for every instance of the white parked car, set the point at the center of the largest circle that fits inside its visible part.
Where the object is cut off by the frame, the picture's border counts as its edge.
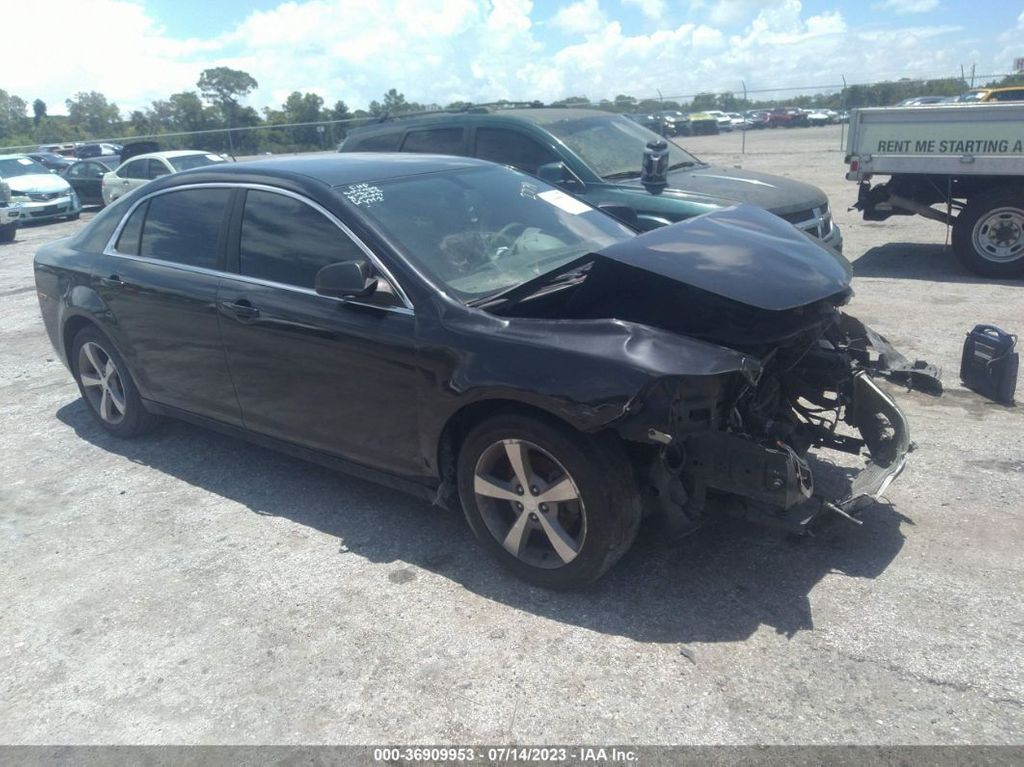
(39, 194)
(818, 117)
(143, 168)
(738, 121)
(723, 120)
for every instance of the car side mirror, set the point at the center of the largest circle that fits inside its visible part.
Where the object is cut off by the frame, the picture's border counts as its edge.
(554, 173)
(625, 214)
(346, 279)
(558, 174)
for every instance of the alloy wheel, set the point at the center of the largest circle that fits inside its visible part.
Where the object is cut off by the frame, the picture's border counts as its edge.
(102, 383)
(530, 503)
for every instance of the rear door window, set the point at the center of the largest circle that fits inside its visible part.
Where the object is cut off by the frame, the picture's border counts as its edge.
(435, 141)
(156, 168)
(509, 147)
(134, 169)
(184, 227)
(384, 142)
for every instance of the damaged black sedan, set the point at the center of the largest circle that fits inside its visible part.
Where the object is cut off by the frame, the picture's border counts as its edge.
(470, 334)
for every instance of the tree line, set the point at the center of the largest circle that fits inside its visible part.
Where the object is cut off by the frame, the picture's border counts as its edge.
(215, 106)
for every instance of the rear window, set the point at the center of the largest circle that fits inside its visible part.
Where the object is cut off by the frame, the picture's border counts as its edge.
(95, 236)
(194, 161)
(435, 141)
(382, 142)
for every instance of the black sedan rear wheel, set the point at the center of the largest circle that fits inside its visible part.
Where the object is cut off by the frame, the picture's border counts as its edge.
(106, 385)
(555, 507)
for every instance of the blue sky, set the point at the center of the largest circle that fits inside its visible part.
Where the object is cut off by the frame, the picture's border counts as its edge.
(481, 50)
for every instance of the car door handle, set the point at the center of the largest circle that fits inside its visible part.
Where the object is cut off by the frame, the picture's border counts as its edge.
(113, 281)
(242, 309)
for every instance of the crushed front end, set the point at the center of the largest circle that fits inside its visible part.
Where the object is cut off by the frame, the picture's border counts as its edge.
(752, 443)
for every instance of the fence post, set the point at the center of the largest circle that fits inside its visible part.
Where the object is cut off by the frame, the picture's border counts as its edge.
(742, 129)
(842, 125)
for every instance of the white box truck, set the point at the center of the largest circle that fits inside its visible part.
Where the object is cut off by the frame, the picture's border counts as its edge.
(967, 159)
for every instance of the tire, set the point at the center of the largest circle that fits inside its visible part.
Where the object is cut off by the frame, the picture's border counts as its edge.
(111, 396)
(988, 235)
(74, 216)
(570, 541)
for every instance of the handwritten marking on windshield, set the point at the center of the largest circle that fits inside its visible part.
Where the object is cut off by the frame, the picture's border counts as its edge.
(364, 194)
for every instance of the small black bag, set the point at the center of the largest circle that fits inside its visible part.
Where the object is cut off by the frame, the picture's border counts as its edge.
(989, 363)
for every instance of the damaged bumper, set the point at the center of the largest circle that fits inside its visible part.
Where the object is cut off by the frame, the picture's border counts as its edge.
(777, 485)
(761, 462)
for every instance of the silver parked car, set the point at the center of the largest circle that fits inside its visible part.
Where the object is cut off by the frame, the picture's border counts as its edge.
(40, 194)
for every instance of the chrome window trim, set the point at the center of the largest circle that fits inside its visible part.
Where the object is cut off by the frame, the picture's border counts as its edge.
(111, 250)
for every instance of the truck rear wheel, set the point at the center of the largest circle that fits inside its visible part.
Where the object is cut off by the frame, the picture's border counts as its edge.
(988, 235)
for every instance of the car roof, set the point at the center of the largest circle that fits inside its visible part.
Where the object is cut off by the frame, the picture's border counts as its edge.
(340, 169)
(536, 115)
(168, 154)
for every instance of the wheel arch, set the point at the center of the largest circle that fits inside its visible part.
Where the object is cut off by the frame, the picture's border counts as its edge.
(461, 422)
(73, 325)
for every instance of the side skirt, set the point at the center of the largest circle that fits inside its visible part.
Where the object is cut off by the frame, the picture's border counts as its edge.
(425, 488)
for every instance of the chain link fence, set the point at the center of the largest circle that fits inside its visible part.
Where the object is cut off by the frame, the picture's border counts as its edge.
(323, 135)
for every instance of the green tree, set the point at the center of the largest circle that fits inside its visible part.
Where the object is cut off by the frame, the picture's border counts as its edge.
(14, 121)
(304, 108)
(138, 123)
(93, 115)
(38, 111)
(572, 101)
(394, 103)
(187, 112)
(223, 87)
(624, 103)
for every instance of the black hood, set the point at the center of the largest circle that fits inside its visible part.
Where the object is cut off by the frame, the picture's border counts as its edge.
(775, 193)
(741, 253)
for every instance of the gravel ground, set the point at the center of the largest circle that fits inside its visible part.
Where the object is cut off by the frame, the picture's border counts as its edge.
(187, 588)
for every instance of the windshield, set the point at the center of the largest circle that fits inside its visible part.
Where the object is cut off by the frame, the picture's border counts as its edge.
(972, 96)
(194, 161)
(611, 145)
(20, 166)
(480, 231)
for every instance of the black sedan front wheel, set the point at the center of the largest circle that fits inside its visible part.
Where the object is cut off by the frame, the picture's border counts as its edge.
(555, 507)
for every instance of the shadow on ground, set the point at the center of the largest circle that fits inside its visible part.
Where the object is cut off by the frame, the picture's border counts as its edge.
(720, 584)
(916, 261)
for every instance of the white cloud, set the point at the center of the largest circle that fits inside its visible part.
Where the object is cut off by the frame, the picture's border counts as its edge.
(906, 6)
(726, 13)
(652, 9)
(579, 17)
(115, 48)
(483, 50)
